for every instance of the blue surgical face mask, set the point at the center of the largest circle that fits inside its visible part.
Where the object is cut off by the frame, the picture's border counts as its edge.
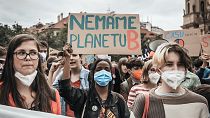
(102, 78)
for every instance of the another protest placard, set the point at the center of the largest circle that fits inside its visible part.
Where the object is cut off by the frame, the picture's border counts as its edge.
(205, 43)
(188, 39)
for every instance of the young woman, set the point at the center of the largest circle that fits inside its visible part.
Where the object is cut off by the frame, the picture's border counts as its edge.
(23, 82)
(149, 80)
(99, 101)
(170, 100)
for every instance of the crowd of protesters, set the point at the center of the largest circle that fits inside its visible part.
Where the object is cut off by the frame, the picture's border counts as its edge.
(167, 85)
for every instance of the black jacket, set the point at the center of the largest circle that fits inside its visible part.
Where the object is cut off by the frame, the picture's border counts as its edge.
(77, 98)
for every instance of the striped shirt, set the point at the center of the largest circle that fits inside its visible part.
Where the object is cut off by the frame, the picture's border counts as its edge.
(135, 90)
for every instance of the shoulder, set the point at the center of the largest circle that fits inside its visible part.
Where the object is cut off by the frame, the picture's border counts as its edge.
(191, 75)
(55, 94)
(84, 70)
(194, 97)
(138, 87)
(117, 97)
(140, 98)
(84, 73)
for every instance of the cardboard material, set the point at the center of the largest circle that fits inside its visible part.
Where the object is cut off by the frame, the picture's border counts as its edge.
(188, 39)
(104, 33)
(205, 43)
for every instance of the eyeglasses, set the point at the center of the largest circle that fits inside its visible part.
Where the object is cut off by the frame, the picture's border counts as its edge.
(22, 55)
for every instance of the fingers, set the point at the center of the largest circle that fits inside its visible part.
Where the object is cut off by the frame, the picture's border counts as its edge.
(54, 66)
(67, 50)
(205, 56)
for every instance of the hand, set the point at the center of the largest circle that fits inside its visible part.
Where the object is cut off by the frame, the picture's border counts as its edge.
(54, 66)
(67, 55)
(205, 57)
(67, 50)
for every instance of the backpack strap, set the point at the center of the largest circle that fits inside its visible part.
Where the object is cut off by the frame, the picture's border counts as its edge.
(146, 106)
(55, 102)
(53, 94)
(83, 111)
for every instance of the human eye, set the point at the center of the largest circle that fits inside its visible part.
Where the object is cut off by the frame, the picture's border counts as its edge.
(98, 69)
(180, 64)
(108, 69)
(169, 64)
(33, 53)
(21, 53)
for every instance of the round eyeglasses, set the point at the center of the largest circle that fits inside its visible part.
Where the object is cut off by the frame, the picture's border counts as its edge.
(22, 55)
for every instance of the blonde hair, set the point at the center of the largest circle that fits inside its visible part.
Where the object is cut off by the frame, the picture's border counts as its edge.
(159, 58)
(145, 76)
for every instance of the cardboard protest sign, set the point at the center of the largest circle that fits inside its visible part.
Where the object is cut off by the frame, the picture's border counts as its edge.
(205, 43)
(104, 33)
(188, 39)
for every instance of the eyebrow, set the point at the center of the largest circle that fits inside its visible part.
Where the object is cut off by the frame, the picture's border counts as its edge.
(26, 50)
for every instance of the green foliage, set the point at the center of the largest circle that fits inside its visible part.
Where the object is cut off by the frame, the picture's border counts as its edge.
(54, 41)
(7, 32)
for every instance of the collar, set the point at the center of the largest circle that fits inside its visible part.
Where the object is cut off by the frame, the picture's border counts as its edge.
(83, 73)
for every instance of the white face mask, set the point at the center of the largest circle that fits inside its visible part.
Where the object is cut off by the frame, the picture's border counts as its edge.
(173, 78)
(26, 79)
(44, 55)
(154, 77)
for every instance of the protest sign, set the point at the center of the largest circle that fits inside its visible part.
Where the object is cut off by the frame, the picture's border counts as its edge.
(205, 43)
(104, 33)
(188, 39)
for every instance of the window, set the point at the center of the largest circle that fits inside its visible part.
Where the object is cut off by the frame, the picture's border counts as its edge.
(202, 8)
(193, 7)
(188, 6)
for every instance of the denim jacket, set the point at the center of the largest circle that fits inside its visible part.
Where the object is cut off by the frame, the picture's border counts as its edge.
(84, 85)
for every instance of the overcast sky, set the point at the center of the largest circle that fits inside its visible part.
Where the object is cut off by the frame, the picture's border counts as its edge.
(166, 14)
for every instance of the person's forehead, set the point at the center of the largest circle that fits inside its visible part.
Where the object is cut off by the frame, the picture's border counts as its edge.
(103, 64)
(28, 45)
(43, 48)
(172, 57)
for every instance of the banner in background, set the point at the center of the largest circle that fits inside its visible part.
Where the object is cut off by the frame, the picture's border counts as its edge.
(13, 112)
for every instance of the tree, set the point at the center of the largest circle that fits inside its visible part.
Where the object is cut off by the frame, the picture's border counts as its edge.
(62, 36)
(6, 33)
(54, 41)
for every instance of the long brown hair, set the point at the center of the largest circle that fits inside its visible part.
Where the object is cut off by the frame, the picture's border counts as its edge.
(9, 86)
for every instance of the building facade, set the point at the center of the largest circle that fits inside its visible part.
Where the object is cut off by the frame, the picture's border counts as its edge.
(197, 15)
